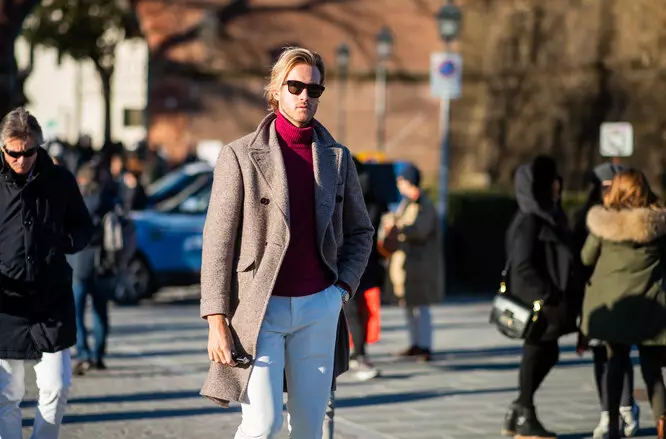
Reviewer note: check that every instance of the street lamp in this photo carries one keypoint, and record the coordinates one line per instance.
(449, 19)
(342, 58)
(384, 42)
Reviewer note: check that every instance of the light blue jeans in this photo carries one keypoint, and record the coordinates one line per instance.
(296, 339)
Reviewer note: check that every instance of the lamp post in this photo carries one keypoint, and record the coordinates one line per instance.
(384, 42)
(449, 19)
(342, 58)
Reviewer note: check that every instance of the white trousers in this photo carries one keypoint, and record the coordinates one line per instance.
(297, 338)
(419, 323)
(54, 378)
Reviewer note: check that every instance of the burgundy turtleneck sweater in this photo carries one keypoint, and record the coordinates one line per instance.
(302, 272)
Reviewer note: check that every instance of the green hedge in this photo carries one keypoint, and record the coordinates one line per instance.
(477, 223)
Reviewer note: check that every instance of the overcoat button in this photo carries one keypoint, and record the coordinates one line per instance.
(338, 199)
(265, 201)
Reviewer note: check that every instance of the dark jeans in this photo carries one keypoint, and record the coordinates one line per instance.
(538, 359)
(355, 319)
(600, 372)
(618, 361)
(83, 288)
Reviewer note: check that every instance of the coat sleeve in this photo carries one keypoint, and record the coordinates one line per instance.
(526, 282)
(224, 215)
(356, 228)
(591, 251)
(424, 225)
(78, 225)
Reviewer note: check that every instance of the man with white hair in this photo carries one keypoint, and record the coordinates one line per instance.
(43, 218)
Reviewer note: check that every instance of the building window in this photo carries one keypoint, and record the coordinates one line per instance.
(132, 117)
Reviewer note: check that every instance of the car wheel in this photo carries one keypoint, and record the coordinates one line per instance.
(136, 284)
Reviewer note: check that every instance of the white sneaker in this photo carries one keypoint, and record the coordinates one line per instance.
(601, 430)
(630, 418)
(362, 369)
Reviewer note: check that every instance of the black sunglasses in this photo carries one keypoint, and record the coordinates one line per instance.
(297, 87)
(18, 154)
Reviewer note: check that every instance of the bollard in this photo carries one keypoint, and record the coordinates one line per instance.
(328, 420)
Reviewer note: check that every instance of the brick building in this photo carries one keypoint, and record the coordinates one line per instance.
(538, 76)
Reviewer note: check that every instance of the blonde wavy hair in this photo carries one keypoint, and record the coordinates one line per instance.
(630, 190)
(290, 58)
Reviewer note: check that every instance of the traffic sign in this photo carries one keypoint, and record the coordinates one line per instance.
(616, 139)
(446, 75)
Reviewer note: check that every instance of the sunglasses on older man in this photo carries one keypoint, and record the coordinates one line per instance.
(297, 87)
(18, 154)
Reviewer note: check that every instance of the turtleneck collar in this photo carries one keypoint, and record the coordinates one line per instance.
(292, 135)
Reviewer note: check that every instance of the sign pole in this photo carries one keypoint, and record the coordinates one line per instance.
(445, 120)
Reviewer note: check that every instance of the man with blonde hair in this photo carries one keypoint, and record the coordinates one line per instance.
(286, 240)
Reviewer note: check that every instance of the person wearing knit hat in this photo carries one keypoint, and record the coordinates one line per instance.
(411, 174)
(416, 267)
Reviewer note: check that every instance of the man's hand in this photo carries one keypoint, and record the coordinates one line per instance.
(220, 342)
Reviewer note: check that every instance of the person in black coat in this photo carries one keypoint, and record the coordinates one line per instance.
(373, 277)
(86, 278)
(540, 268)
(43, 218)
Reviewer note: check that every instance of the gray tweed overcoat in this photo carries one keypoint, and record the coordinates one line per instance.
(247, 233)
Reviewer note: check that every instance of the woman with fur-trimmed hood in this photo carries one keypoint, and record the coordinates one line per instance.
(625, 303)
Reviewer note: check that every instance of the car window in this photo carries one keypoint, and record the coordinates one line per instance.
(175, 181)
(196, 204)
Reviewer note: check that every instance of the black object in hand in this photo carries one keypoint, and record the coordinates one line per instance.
(241, 360)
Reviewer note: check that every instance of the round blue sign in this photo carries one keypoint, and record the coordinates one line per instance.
(447, 68)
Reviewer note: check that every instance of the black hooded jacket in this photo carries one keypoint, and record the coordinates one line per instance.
(42, 217)
(541, 260)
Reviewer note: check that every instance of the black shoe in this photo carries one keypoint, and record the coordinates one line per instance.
(409, 352)
(82, 367)
(423, 355)
(99, 365)
(528, 426)
(510, 418)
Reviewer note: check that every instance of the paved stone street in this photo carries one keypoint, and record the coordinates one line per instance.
(157, 362)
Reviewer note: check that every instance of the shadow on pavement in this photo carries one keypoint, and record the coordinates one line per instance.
(507, 366)
(397, 398)
(161, 353)
(643, 432)
(137, 397)
(89, 418)
(459, 354)
(373, 400)
(117, 330)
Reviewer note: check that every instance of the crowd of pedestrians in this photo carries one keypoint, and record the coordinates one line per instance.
(299, 249)
(602, 278)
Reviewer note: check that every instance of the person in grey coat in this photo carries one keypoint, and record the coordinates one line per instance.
(286, 241)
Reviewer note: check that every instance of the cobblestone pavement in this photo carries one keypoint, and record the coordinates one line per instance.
(157, 361)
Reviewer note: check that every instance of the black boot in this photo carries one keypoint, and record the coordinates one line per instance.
(510, 418)
(528, 426)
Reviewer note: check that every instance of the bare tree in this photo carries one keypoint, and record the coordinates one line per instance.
(12, 15)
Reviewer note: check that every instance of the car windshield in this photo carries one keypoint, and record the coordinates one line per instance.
(196, 204)
(174, 182)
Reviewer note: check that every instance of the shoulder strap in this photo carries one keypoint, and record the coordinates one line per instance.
(505, 271)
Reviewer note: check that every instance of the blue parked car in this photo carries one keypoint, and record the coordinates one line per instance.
(178, 184)
(170, 235)
(169, 240)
